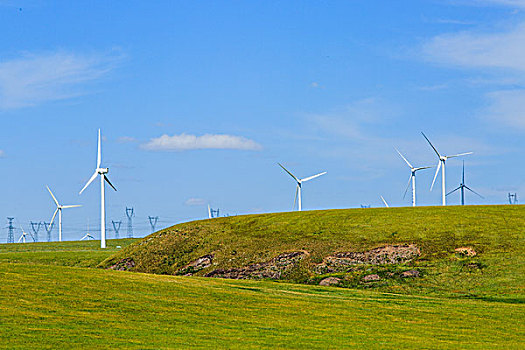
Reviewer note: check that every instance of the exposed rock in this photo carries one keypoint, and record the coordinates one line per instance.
(410, 274)
(391, 254)
(371, 278)
(197, 265)
(466, 251)
(123, 265)
(272, 269)
(330, 281)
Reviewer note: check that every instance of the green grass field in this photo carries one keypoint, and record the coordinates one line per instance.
(51, 296)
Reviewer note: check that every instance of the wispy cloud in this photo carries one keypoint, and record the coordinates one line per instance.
(185, 142)
(195, 202)
(471, 49)
(507, 107)
(36, 78)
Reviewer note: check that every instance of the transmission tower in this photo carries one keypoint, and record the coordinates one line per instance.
(116, 227)
(153, 221)
(11, 233)
(513, 198)
(129, 214)
(35, 226)
(48, 228)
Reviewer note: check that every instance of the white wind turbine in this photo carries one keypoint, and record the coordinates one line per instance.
(23, 236)
(299, 185)
(412, 178)
(103, 178)
(59, 210)
(441, 163)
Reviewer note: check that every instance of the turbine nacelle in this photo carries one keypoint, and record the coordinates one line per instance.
(102, 171)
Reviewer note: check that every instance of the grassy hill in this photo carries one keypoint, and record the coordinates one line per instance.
(51, 296)
(495, 233)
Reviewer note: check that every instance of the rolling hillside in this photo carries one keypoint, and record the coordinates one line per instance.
(471, 251)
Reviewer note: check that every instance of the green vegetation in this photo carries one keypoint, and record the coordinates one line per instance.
(496, 233)
(59, 307)
(76, 253)
(49, 298)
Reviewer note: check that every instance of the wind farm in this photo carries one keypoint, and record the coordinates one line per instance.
(150, 152)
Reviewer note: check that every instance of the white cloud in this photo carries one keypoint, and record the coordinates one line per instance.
(185, 142)
(2, 153)
(504, 50)
(36, 78)
(195, 202)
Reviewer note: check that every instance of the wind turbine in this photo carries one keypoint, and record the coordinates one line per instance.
(59, 210)
(24, 235)
(299, 185)
(209, 212)
(412, 178)
(384, 201)
(462, 187)
(441, 163)
(103, 178)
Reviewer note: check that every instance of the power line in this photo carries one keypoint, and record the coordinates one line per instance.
(11, 232)
(153, 221)
(129, 214)
(116, 227)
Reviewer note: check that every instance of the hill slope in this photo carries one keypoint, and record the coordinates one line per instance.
(407, 250)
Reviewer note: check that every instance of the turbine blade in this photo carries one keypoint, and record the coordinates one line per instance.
(431, 145)
(109, 182)
(295, 198)
(453, 191)
(459, 155)
(471, 190)
(313, 177)
(51, 193)
(410, 165)
(422, 168)
(386, 204)
(292, 175)
(435, 175)
(71, 206)
(99, 151)
(408, 185)
(90, 181)
(53, 218)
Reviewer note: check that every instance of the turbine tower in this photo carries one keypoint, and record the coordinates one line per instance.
(299, 186)
(412, 178)
(441, 163)
(462, 187)
(59, 210)
(103, 178)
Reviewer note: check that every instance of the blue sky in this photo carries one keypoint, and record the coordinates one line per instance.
(198, 101)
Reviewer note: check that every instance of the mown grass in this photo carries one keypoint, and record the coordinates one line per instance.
(53, 307)
(497, 233)
(68, 253)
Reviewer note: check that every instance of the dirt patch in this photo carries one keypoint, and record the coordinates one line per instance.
(123, 265)
(197, 265)
(465, 251)
(391, 254)
(330, 281)
(272, 269)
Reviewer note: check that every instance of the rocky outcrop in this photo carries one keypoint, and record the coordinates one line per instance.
(123, 265)
(330, 281)
(371, 278)
(391, 254)
(465, 251)
(197, 265)
(273, 269)
(410, 274)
